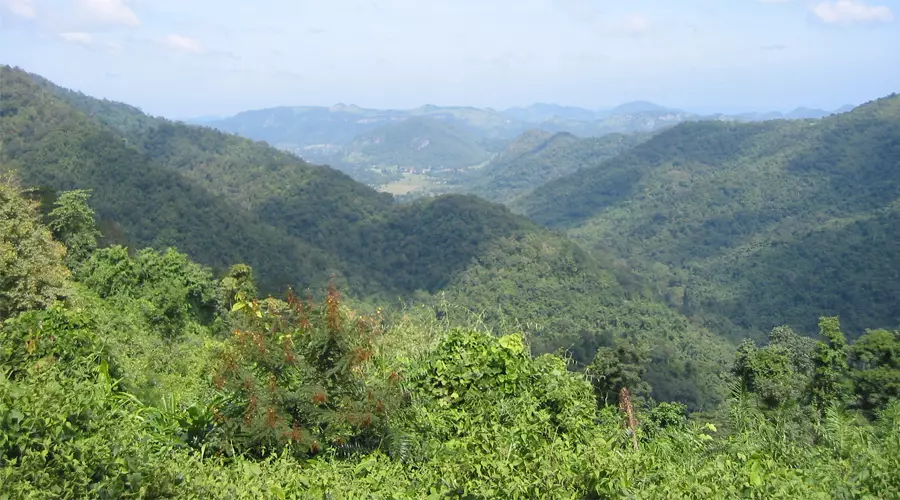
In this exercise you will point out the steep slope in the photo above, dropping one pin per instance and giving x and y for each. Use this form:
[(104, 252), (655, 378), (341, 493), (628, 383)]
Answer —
[(536, 159), (562, 299), (420, 142), (49, 143), (754, 224), (223, 200)]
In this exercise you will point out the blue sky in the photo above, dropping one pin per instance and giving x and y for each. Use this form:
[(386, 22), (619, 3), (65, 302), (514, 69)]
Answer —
[(185, 58)]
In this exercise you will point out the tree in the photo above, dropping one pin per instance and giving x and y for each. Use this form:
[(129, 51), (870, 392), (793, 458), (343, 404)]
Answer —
[(32, 273), (616, 367), (240, 282), (876, 359), (831, 381), (769, 373), (73, 224)]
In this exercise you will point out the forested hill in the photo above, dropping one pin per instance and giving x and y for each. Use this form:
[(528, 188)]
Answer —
[(538, 157), (420, 142), (54, 146), (226, 200), (752, 225)]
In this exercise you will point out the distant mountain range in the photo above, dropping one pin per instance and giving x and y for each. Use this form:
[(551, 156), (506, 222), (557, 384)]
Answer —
[(356, 140), (224, 199)]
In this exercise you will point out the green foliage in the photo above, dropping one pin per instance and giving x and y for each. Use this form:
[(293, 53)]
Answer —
[(831, 380), (127, 388), (72, 223), (32, 273), (292, 378), (482, 418), (138, 199), (769, 373), (876, 357), (615, 368), (222, 199), (419, 142), (239, 282), (536, 158), (170, 288), (754, 225), (562, 299)]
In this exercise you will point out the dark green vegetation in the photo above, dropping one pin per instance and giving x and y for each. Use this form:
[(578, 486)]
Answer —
[(538, 157), (131, 369), (222, 199), (751, 226), (146, 377), (417, 142)]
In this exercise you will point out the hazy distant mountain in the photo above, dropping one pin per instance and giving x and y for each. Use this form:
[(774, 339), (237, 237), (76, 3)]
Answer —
[(537, 157), (420, 141), (339, 135), (203, 120), (845, 108), (541, 112), (623, 123), (806, 113), (640, 107)]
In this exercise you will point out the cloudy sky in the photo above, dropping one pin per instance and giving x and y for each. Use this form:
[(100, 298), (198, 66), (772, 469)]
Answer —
[(187, 58)]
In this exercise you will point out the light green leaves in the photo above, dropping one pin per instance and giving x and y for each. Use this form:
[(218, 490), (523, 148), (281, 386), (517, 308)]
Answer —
[(513, 343)]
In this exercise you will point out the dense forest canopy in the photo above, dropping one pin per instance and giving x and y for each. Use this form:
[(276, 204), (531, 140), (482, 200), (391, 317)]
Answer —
[(142, 375), (222, 199), (750, 226), (189, 314), (536, 158)]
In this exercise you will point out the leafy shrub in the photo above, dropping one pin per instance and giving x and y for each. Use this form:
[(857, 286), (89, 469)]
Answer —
[(292, 374)]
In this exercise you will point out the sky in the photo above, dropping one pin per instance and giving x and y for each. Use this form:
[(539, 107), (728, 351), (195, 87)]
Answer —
[(192, 58)]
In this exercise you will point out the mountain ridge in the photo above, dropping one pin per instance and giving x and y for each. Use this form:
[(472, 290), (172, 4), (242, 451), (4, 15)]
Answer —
[(713, 209), (304, 225)]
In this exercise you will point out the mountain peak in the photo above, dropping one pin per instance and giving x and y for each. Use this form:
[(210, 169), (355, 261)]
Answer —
[(345, 108), (638, 107)]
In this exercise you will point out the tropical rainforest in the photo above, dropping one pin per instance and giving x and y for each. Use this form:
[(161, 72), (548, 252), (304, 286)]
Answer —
[(750, 226), (185, 313)]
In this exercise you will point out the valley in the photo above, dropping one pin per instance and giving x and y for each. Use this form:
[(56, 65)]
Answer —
[(539, 302)]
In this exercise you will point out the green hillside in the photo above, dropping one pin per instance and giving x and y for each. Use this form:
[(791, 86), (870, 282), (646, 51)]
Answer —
[(754, 225), (225, 200), (419, 142), (50, 144), (539, 157), (144, 376)]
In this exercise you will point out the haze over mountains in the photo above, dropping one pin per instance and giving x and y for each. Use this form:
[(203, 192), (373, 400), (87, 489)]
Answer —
[(569, 158), (539, 249), (662, 248), (224, 199), (377, 146)]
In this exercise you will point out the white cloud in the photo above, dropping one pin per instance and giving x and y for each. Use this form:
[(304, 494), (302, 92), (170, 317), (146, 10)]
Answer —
[(91, 42), (77, 37), (636, 25), (852, 11), (22, 8), (109, 12), (113, 48), (183, 44)]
